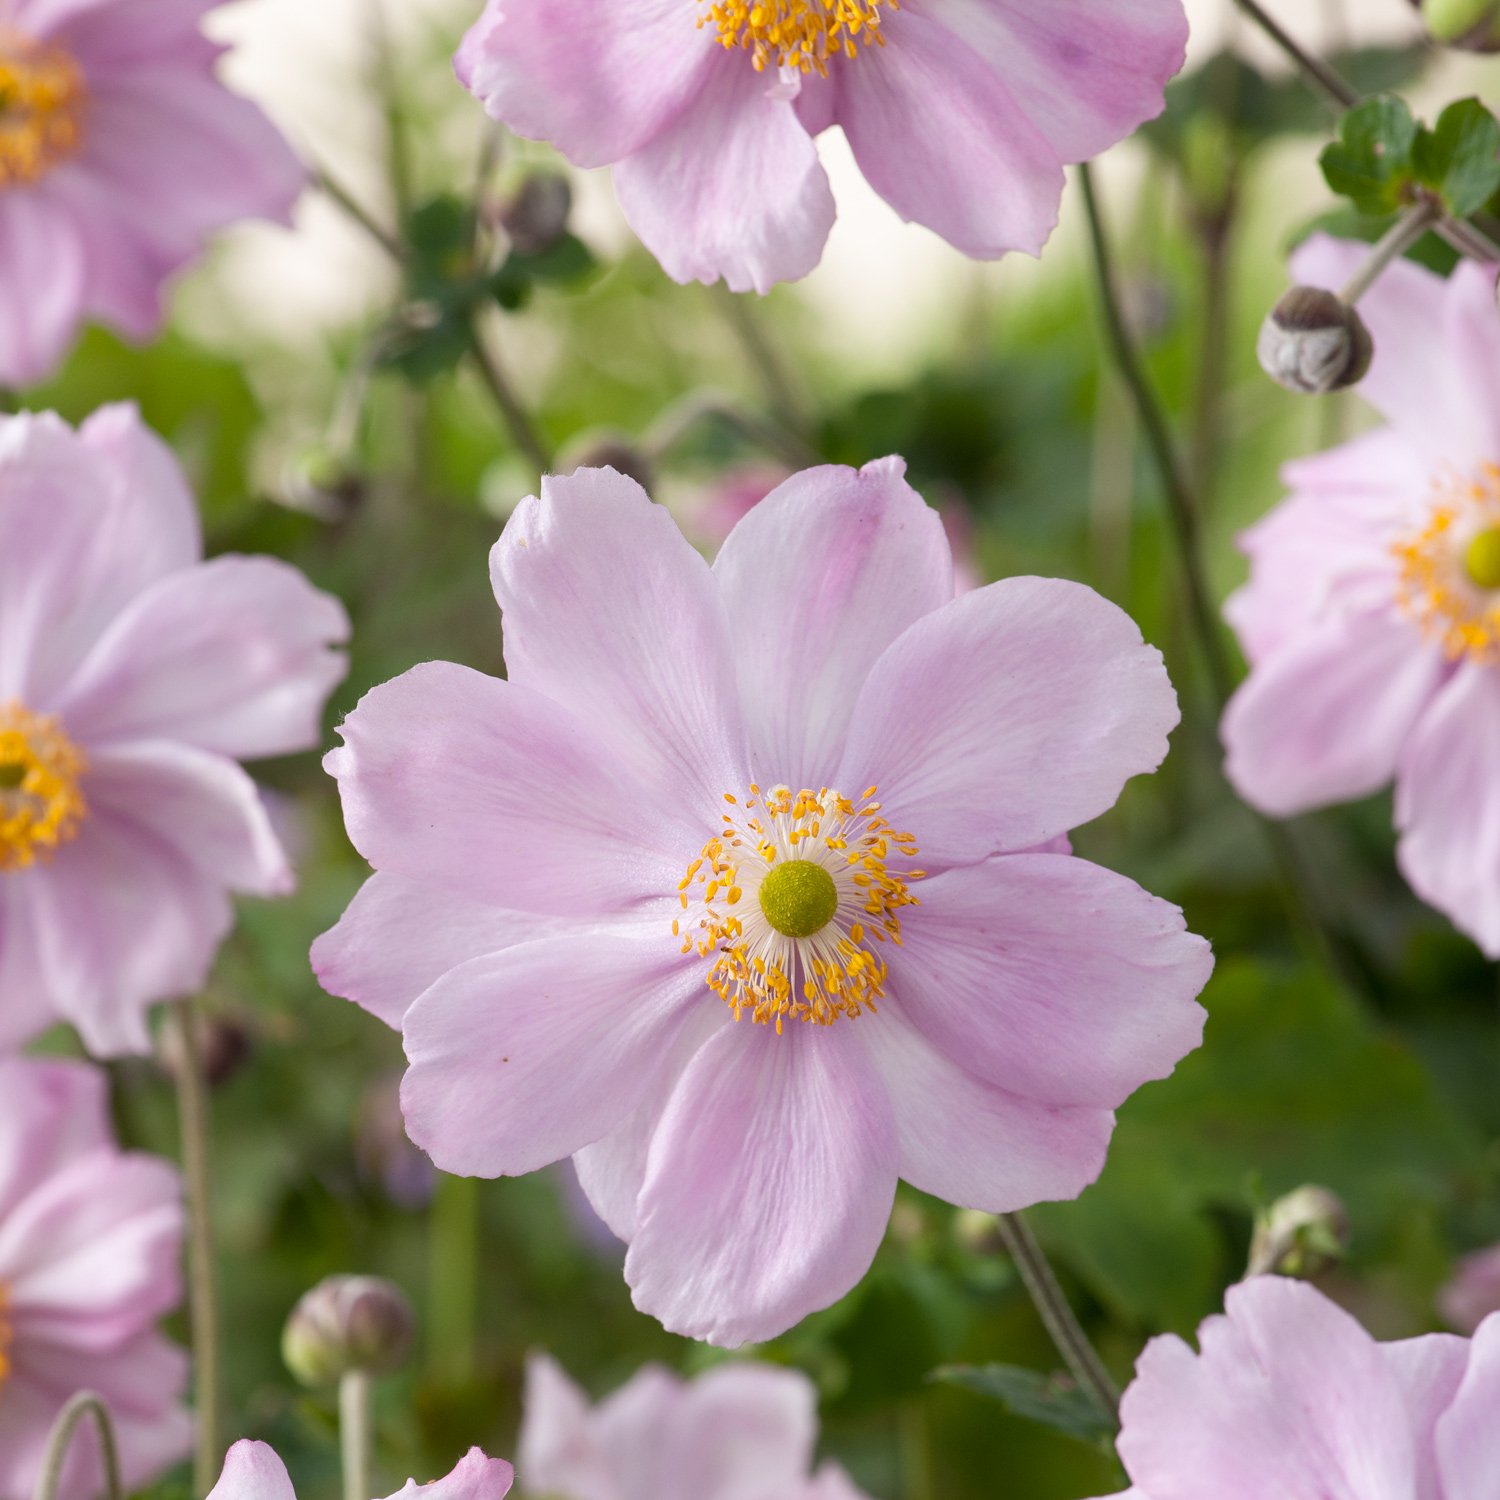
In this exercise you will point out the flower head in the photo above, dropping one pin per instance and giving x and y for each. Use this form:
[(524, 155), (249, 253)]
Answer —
[(1372, 615), (742, 1431), (1289, 1396), (734, 890), (120, 153), (708, 110), (133, 675), (252, 1471), (90, 1242)]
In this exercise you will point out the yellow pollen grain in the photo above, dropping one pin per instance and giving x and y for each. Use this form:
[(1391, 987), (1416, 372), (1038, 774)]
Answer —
[(41, 798), (42, 104), (800, 34)]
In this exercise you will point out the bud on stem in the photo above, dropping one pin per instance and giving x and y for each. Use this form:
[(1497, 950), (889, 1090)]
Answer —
[(1471, 24), (347, 1323), (1304, 1235)]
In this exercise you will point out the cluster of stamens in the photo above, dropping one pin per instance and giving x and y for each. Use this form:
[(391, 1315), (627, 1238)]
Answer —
[(42, 99), (800, 34), (1450, 569), (41, 799), (791, 901)]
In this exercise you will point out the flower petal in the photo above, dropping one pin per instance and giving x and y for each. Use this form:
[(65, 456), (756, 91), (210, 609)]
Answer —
[(43, 270), (818, 579), (1051, 978), (1430, 1370), (557, 1450), (25, 1011), (1013, 714), (475, 1477), (523, 1057), (769, 1184), (55, 1111), (1468, 1437), (732, 188), (252, 1471), (108, 34)]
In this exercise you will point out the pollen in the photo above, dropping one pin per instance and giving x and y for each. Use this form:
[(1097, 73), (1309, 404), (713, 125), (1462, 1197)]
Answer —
[(42, 104), (41, 800), (800, 34), (791, 902), (1450, 569)]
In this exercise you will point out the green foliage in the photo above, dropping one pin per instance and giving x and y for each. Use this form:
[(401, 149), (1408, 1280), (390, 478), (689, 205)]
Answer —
[(1049, 1400)]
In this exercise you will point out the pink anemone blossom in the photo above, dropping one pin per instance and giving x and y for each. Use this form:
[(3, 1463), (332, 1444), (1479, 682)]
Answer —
[(120, 153), (802, 790), (1289, 1397), (90, 1242), (1372, 614), (133, 676), (252, 1471), (742, 1431), (960, 113)]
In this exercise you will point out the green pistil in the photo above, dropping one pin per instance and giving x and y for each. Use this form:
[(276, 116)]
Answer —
[(1482, 559), (799, 898)]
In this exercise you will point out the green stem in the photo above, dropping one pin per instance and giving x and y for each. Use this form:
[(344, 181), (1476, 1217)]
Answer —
[(453, 1277), (203, 1299), (1398, 239), (84, 1404), (354, 1433), (515, 416), (776, 379), (1080, 1356)]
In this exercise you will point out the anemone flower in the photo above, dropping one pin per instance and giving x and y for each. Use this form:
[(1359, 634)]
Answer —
[(252, 1471)]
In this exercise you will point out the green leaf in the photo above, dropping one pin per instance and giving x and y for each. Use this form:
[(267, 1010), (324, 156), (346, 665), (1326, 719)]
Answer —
[(1372, 161), (567, 262), (1460, 157), (1051, 1400)]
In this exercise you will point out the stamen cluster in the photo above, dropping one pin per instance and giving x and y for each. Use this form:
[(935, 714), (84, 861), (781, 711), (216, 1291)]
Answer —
[(764, 971), (42, 99), (41, 801), (800, 34)]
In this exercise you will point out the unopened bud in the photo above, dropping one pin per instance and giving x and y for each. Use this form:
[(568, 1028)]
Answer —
[(1313, 342), (1471, 24), (347, 1324), (604, 448), (1305, 1234), (223, 1048), (535, 216)]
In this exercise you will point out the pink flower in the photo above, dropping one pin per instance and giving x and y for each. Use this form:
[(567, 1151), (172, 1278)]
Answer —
[(961, 113), (1474, 1292), (667, 821), (132, 676), (90, 1241), (1372, 615), (741, 1431), (1290, 1397), (120, 154), (252, 1471)]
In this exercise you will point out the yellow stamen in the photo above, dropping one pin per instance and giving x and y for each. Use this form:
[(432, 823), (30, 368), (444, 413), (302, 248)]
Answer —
[(800, 34), (41, 803), (42, 102)]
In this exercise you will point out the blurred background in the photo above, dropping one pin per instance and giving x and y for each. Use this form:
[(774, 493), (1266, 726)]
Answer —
[(317, 426)]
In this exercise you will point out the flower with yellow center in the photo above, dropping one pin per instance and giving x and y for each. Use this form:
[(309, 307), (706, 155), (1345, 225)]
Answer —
[(41, 799), (800, 34), (42, 104)]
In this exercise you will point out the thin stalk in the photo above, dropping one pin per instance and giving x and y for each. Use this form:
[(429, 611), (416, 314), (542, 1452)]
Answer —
[(776, 379), (522, 429), (1398, 239), (1080, 1356), (203, 1297), (453, 1278), (84, 1404), (355, 1433), (335, 190)]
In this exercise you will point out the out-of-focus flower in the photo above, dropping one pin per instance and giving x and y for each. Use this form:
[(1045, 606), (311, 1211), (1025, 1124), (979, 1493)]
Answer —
[(120, 153), (252, 1471), (133, 675), (741, 1431), (1289, 1396), (717, 795), (1372, 614), (90, 1242), (1303, 1233), (708, 110), (347, 1324), (1474, 1292)]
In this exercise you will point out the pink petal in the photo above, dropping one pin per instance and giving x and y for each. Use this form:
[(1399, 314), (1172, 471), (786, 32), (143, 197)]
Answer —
[(824, 573), (109, 35), (489, 790), (522, 1057), (252, 1471), (732, 188), (1471, 335), (636, 1429), (832, 1483), (647, 666), (1447, 806), (1011, 715), (769, 1184), (557, 1451), (1429, 1370), (42, 281), (55, 1112), (943, 140), (475, 1477), (596, 80), (1468, 1437), (1051, 978), (235, 656), (1324, 719), (26, 1010), (972, 1144)]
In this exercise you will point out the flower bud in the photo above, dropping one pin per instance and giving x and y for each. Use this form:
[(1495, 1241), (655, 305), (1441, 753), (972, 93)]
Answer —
[(605, 448), (347, 1324), (223, 1048), (535, 216), (1305, 1234), (1313, 342), (1471, 24)]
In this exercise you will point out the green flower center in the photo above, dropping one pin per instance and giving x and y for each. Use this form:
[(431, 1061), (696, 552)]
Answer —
[(798, 898), (1482, 558)]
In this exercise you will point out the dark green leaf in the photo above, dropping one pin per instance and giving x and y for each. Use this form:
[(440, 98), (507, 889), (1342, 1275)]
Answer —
[(1460, 157), (1372, 161), (1053, 1400)]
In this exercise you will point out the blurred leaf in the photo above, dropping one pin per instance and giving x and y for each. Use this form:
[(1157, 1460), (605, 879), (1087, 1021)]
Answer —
[(567, 262), (1460, 157), (1052, 1400), (1372, 161)]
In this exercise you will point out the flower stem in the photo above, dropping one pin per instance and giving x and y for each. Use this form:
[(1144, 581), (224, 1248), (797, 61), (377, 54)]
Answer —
[(522, 429), (1080, 1356), (453, 1278), (203, 1300), (1398, 239), (354, 1433), (84, 1404)]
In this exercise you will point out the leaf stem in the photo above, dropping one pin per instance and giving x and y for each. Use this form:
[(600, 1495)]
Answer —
[(60, 1442)]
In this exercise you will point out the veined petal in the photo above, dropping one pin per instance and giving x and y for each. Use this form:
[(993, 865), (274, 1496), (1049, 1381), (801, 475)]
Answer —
[(252, 1471), (1468, 1438), (43, 272), (55, 1112)]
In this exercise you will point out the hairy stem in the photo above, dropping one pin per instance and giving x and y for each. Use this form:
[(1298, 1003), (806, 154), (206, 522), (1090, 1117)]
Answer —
[(355, 1433), (59, 1443)]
